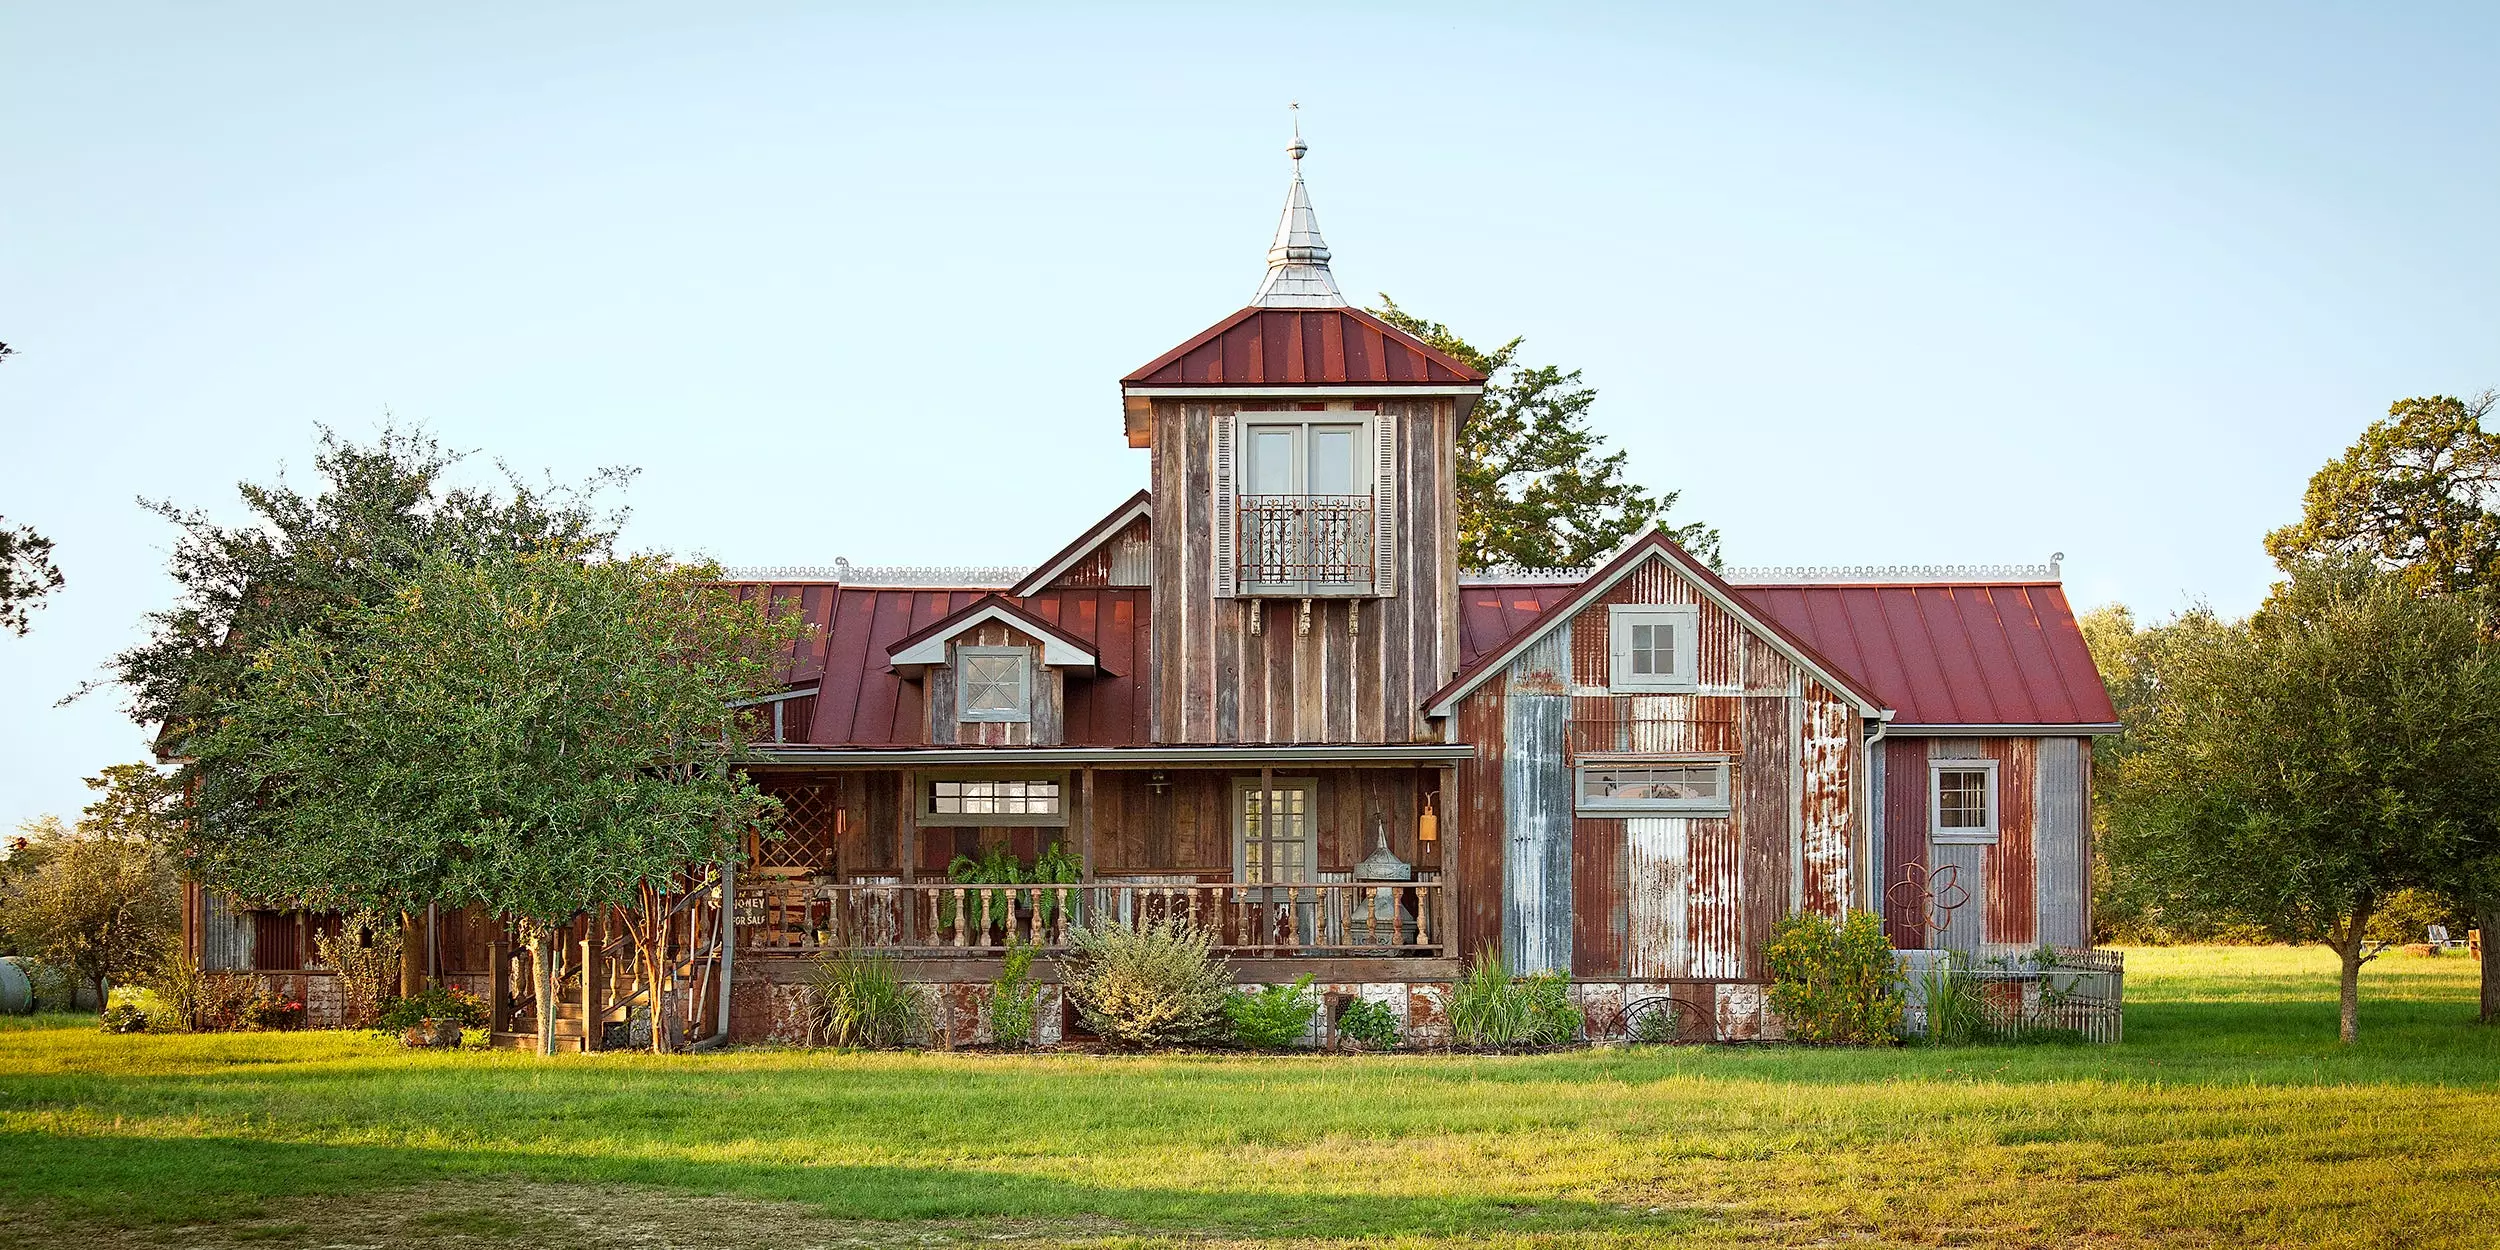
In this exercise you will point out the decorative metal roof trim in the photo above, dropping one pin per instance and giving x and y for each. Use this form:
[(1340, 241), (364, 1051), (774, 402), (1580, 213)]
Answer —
[(1894, 574), (1514, 574), (971, 577)]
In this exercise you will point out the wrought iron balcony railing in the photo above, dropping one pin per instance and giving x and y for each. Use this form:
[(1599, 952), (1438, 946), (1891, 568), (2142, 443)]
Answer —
[(1304, 544)]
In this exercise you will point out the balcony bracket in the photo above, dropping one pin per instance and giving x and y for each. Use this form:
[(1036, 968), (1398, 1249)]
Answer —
[(1353, 618), (1302, 621), (1257, 611)]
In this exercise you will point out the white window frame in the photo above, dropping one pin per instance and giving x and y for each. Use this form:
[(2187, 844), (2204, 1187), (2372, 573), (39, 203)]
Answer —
[(1243, 788), (926, 801), (1021, 712), (1936, 832), (1246, 426), (1685, 617), (1367, 468), (1721, 806)]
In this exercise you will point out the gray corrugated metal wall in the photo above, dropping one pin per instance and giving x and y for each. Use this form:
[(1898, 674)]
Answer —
[(225, 938), (2060, 823), (1967, 929), (1536, 808)]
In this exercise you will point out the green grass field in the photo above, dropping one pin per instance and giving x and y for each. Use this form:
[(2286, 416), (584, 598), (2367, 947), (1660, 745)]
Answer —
[(2228, 1118)]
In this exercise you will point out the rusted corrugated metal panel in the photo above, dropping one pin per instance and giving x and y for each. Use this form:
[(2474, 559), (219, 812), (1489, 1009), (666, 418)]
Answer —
[(1715, 922), (1766, 814), (2008, 903), (2062, 829), (1125, 559), (226, 939), (1599, 884), (1536, 787), (1827, 801), (1950, 654), (1905, 840), (1302, 347), (1657, 902), (1653, 723), (1479, 821)]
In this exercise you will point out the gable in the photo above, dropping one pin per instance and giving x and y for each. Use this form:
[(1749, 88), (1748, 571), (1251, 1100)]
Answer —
[(1117, 550), (929, 646)]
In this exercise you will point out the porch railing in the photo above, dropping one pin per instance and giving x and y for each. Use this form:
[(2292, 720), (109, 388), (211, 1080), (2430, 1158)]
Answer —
[(1318, 919), (1305, 543)]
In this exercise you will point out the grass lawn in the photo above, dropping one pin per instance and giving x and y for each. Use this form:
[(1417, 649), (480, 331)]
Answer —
[(2229, 1117)]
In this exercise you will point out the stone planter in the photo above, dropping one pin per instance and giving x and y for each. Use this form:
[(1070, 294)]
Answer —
[(432, 1033)]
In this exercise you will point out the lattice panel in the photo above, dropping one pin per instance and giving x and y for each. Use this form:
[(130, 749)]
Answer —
[(811, 821)]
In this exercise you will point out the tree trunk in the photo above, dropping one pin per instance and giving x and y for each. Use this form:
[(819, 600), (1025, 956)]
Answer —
[(100, 995), (2487, 919), (2349, 942), (543, 968)]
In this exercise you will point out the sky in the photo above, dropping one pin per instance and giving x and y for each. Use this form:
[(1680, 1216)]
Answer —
[(1947, 283)]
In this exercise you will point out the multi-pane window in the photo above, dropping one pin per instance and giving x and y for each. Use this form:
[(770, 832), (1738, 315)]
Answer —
[(1274, 833), (1697, 786), (994, 683), (1651, 647), (1305, 508), (994, 801), (1962, 797)]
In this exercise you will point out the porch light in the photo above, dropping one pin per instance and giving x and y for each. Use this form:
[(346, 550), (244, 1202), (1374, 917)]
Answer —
[(1155, 782)]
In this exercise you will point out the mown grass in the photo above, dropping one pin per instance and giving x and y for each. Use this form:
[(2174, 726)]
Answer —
[(2229, 1116)]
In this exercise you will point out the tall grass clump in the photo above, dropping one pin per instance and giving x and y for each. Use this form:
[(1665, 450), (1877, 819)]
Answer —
[(1835, 982), (1957, 1015), (1158, 984), (1015, 1000), (861, 1002), (1490, 1009)]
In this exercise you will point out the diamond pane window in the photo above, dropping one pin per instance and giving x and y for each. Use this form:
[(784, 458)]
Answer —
[(993, 683)]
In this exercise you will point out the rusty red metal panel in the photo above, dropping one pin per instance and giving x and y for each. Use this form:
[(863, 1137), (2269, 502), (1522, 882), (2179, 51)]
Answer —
[(1303, 346), (1489, 616), (2012, 870), (1478, 817), (1653, 724), (1716, 884), (1766, 813), (1905, 840), (1951, 654), (1827, 800), (1598, 895)]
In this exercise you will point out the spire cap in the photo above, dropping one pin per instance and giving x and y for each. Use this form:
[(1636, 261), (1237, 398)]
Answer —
[(1297, 262)]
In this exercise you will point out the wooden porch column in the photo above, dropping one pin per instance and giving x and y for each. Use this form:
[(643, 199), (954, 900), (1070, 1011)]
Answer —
[(1085, 825), (1445, 925), (909, 831)]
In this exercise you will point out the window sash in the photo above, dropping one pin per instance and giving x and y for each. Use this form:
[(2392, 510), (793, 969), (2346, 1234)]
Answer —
[(1693, 786), (993, 798), (993, 683), (1962, 800), (1653, 647)]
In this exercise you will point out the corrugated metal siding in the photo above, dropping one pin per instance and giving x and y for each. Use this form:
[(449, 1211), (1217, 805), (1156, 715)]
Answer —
[(1599, 890), (1478, 818), (1536, 787), (1905, 838), (1716, 884), (1126, 559), (226, 939), (2005, 912), (1827, 805), (1767, 788), (2060, 855), (1658, 909), (1965, 927)]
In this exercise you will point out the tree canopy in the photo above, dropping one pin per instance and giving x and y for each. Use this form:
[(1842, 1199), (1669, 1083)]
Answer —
[(2414, 494), (27, 574), (99, 899), (537, 734), (2299, 767), (1536, 486)]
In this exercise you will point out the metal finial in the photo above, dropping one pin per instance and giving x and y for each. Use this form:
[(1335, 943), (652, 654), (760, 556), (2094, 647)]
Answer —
[(1297, 262), (1297, 148)]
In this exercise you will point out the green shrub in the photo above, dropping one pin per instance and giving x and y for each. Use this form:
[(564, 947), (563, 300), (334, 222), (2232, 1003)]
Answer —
[(1155, 985), (436, 1002), (183, 988), (1835, 982), (1491, 1009), (125, 1018), (861, 1001), (1368, 1024), (1275, 1017), (2407, 915), (1015, 1001), (139, 1009), (1659, 1022)]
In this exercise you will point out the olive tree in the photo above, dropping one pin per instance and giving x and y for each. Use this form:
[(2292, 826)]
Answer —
[(539, 735)]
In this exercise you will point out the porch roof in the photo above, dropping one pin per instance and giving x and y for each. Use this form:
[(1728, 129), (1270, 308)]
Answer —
[(1118, 757)]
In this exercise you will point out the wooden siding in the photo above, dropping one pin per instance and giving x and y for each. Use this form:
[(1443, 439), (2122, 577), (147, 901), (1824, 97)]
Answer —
[(1347, 679), (1476, 818), (1046, 695), (1126, 559)]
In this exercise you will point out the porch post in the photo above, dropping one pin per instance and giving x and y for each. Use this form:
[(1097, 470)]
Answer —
[(1444, 926), (910, 839), (1085, 825)]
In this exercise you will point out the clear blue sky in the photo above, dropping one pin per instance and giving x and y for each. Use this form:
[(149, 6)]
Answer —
[(1949, 283)]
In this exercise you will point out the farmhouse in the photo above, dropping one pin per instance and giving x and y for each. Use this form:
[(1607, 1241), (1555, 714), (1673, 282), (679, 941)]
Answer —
[(1262, 695)]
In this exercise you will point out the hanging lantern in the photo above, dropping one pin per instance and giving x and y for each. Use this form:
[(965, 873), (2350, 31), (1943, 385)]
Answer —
[(1428, 825)]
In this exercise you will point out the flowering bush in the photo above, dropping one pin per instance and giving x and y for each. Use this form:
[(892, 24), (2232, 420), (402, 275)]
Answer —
[(1835, 982)]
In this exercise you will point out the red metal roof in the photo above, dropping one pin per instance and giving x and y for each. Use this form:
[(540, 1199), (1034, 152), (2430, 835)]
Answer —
[(1952, 653), (1304, 347), (860, 701), (1936, 653)]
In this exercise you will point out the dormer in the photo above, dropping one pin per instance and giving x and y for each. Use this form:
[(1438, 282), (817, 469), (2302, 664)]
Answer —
[(993, 675), (1304, 459)]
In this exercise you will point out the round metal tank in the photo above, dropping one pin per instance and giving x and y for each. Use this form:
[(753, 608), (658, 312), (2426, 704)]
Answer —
[(17, 993)]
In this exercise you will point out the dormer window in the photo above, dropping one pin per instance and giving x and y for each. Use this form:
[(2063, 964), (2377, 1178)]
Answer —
[(997, 683)]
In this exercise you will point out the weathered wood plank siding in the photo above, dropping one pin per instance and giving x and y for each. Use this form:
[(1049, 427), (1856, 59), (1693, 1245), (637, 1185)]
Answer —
[(1362, 671), (1046, 703), (1477, 818)]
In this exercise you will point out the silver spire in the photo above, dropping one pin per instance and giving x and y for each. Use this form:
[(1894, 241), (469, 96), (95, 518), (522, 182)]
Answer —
[(1297, 263)]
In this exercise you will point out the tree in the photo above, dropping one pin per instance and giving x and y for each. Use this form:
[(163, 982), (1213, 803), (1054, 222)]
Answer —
[(2299, 767), (27, 574), (538, 735), (1535, 486), (96, 902), (2416, 494), (303, 557)]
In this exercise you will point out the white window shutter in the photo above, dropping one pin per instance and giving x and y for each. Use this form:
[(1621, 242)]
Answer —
[(1618, 648), (1385, 507), (1227, 569)]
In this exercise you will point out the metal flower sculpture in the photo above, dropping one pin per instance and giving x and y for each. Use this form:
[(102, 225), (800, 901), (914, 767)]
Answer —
[(1931, 896)]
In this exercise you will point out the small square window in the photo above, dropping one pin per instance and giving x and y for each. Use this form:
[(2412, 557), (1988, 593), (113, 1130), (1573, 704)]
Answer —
[(1617, 787), (1652, 648), (1962, 800), (992, 683)]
